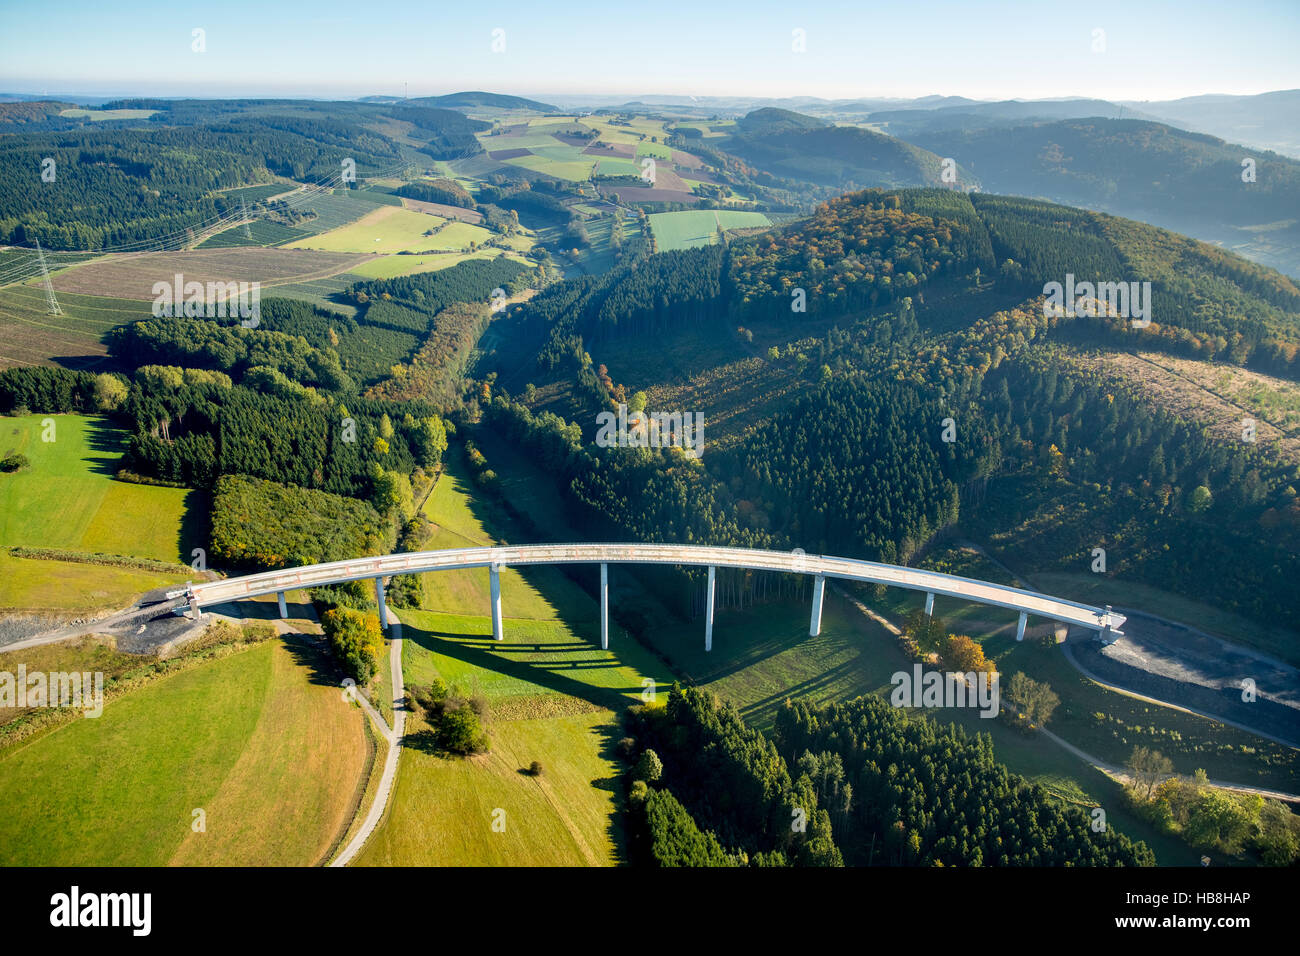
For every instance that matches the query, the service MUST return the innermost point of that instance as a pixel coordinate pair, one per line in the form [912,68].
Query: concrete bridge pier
[196,613]
[1107,633]
[929,604]
[708,619]
[379,597]
[819,593]
[604,606]
[1020,626]
[494,580]
[284,611]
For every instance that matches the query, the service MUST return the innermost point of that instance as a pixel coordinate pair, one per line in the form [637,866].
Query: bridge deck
[849,569]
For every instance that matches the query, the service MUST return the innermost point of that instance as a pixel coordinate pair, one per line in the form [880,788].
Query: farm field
[699,227]
[330,210]
[551,694]
[471,169]
[472,216]
[617,166]
[540,144]
[93,654]
[67,497]
[16,261]
[30,336]
[656,193]
[636,130]
[715,129]
[442,810]
[657,150]
[576,169]
[269,750]
[374,193]
[535,136]
[391,229]
[260,233]
[133,276]
[388,267]
[39,585]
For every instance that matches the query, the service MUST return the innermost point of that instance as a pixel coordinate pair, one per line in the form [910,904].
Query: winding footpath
[393,735]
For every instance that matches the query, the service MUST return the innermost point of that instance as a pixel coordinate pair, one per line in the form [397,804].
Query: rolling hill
[1191,182]
[1265,121]
[910,122]
[477,99]
[939,292]
[801,147]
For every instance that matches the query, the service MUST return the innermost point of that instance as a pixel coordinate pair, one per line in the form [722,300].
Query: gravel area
[1188,668]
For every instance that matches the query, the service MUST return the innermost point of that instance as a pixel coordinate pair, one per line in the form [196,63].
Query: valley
[994,399]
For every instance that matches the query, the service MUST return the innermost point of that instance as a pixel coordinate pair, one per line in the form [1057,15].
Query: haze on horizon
[336,49]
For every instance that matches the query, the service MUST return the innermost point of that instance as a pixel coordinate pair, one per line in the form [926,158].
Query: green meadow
[553,696]
[257,740]
[699,227]
[67,497]
[391,229]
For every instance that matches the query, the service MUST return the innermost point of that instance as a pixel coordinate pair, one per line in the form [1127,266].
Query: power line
[51,302]
[305,194]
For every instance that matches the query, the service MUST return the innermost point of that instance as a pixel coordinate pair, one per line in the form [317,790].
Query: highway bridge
[198,596]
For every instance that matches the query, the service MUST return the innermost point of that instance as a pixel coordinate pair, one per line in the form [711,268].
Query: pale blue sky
[1153,50]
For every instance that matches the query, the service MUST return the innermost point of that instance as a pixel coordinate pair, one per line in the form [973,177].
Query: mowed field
[699,227]
[441,209]
[75,339]
[552,695]
[392,229]
[133,276]
[562,162]
[38,585]
[257,740]
[388,267]
[67,497]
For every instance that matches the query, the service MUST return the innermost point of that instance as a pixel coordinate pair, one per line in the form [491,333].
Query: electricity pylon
[51,302]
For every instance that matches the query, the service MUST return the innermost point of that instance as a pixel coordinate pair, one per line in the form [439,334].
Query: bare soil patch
[447,212]
[133,276]
[636,194]
[688,161]
[612,151]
